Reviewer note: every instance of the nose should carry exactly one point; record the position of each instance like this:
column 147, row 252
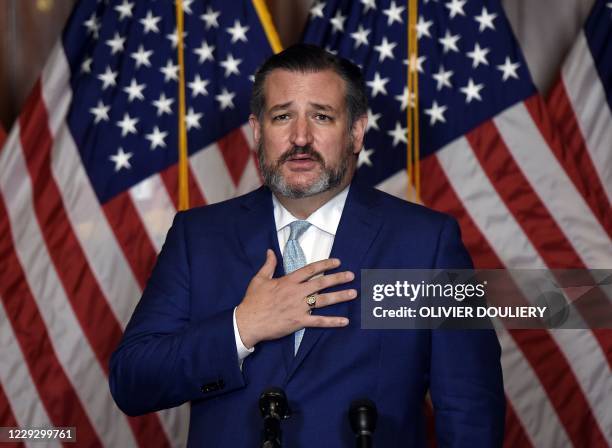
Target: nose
column 301, row 133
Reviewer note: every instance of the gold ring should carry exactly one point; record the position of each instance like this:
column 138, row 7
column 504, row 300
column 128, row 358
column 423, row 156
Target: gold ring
column 311, row 300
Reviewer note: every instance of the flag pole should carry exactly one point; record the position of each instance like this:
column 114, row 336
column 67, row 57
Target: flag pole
column 183, row 170
column 413, row 137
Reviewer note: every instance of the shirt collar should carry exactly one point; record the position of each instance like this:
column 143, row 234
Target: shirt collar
column 326, row 217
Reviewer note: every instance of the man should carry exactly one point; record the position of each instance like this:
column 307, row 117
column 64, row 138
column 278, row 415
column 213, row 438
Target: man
column 236, row 283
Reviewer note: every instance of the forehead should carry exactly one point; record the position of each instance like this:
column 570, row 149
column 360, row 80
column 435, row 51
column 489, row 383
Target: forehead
column 322, row 87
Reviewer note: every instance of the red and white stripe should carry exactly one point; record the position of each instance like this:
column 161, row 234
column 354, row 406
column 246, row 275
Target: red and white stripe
column 582, row 116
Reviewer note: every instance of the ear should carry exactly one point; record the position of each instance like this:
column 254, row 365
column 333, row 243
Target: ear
column 255, row 129
column 358, row 133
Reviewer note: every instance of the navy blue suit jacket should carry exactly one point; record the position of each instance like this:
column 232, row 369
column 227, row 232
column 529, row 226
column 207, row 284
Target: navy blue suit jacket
column 179, row 345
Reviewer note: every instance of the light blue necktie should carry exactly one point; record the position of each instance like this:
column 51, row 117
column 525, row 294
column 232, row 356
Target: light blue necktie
column 294, row 259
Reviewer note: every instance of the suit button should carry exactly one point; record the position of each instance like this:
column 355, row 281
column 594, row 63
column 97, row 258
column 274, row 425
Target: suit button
column 212, row 387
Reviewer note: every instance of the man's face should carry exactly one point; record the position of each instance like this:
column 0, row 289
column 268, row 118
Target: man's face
column 304, row 143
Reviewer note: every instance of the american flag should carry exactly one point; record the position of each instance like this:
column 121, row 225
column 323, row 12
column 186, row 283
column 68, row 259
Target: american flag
column 88, row 189
column 525, row 194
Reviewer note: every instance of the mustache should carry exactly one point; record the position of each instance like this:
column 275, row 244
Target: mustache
column 301, row 150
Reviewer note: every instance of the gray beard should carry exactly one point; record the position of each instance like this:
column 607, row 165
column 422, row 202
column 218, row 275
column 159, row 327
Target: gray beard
column 329, row 178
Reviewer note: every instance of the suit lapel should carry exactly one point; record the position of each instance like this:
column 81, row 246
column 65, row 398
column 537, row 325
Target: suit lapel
column 256, row 231
column 357, row 230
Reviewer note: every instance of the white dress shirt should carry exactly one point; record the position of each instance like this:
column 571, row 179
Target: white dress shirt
column 316, row 242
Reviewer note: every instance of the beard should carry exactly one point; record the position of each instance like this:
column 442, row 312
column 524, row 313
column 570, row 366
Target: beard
column 329, row 178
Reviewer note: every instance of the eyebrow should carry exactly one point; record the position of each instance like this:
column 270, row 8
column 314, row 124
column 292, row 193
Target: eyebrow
column 317, row 106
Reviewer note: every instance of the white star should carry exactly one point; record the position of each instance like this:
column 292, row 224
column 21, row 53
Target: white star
column 378, row 85
column 372, row 120
column 108, row 78
column 205, row 52
column 456, row 7
column 449, row 42
column 225, row 99
column 124, row 9
column 609, row 5
column 187, row 6
column 173, row 37
column 394, row 13
column 238, row 32
column 472, row 91
column 385, row 49
column 163, row 105
column 134, row 90
column 443, row 78
column 416, row 63
column 478, row 55
column 142, row 57
column 157, row 138
column 170, row 71
column 509, row 69
column 338, row 22
column 121, row 159
column 93, row 25
column 364, row 157
column 210, row 18
column 360, row 36
column 127, row 125
column 436, row 113
column 198, row 86
column 422, row 27
column 100, row 112
column 86, row 65
column 116, row 43
column 231, row 65
column 192, row 120
column 150, row 23
column 406, row 99
column 368, row 4
column 399, row 134
column 485, row 20
column 317, row 10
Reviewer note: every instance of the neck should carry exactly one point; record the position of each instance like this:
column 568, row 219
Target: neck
column 302, row 208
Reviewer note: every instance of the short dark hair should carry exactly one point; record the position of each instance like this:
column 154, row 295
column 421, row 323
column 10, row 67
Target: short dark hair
column 306, row 58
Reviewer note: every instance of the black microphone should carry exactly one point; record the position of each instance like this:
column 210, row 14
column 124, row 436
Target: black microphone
column 363, row 415
column 274, row 407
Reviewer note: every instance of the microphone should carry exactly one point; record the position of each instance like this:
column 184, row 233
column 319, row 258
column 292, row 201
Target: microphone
column 363, row 416
column 274, row 407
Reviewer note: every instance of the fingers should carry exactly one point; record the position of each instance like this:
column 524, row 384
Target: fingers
column 267, row 270
column 317, row 284
column 325, row 321
column 332, row 298
column 312, row 269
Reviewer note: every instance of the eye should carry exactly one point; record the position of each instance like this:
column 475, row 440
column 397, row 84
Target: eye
column 322, row 117
column 280, row 117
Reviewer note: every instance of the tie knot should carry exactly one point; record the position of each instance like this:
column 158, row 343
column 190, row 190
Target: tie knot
column 297, row 228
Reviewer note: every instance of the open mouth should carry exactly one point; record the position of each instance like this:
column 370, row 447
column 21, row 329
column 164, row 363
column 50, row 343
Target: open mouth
column 300, row 157
column 301, row 162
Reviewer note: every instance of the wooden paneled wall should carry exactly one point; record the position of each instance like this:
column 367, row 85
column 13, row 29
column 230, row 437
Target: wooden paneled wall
column 28, row 31
column 30, row 28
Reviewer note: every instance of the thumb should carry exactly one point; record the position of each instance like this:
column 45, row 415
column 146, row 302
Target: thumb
column 267, row 270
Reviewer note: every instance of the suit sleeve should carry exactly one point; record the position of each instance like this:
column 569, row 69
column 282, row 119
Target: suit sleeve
column 466, row 382
column 166, row 359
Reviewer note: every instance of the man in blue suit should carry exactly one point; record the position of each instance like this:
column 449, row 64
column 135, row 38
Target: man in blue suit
column 237, row 302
